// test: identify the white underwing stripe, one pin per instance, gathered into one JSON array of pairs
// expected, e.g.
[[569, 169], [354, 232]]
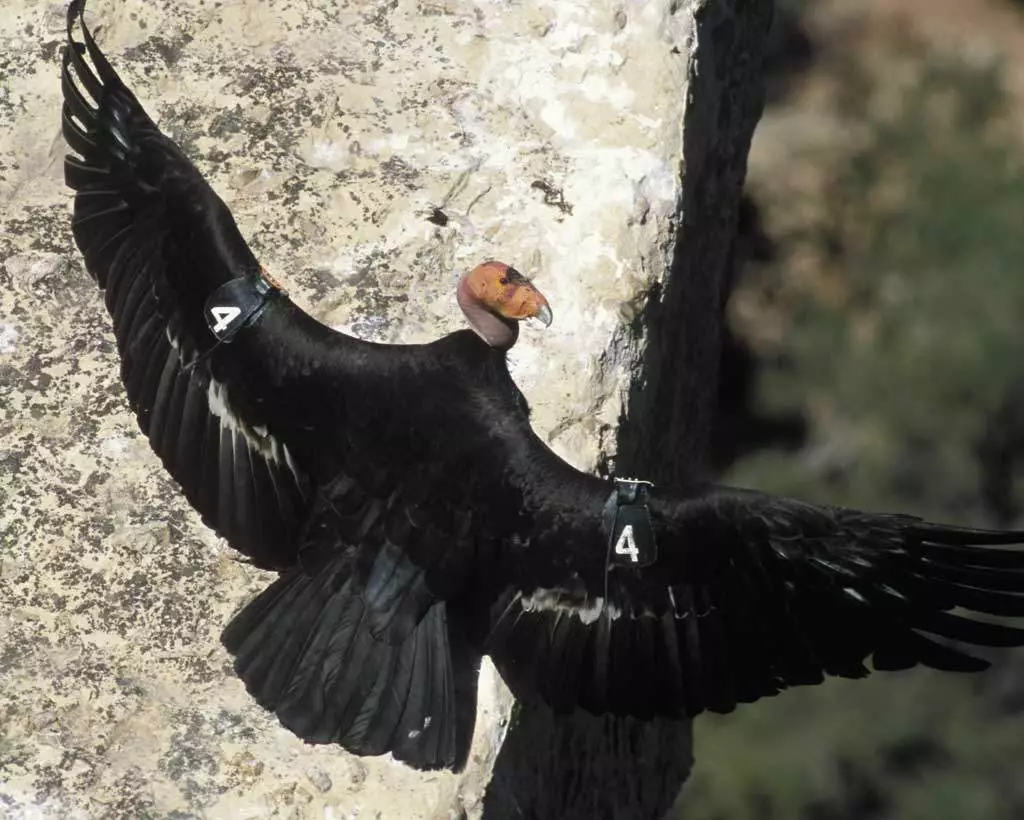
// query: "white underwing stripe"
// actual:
[[256, 438], [855, 595], [561, 600]]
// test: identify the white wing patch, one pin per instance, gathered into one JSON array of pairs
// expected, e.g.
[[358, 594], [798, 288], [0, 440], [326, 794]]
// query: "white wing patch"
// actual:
[[562, 600], [855, 595], [256, 437]]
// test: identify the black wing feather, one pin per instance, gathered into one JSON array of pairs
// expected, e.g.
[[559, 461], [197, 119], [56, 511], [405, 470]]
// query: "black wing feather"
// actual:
[[765, 593], [132, 185]]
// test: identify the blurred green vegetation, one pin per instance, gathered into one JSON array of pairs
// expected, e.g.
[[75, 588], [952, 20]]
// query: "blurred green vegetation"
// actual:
[[905, 326], [899, 285]]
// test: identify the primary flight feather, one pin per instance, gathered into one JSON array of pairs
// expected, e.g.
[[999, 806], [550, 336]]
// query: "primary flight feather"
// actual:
[[418, 522]]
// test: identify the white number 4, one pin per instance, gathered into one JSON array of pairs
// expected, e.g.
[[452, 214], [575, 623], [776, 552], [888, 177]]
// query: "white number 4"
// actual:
[[224, 316], [626, 545]]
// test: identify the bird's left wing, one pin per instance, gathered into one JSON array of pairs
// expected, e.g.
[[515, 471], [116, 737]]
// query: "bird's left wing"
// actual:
[[751, 594]]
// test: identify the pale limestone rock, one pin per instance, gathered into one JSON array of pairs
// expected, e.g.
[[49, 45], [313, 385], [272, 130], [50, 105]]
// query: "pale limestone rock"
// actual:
[[550, 135]]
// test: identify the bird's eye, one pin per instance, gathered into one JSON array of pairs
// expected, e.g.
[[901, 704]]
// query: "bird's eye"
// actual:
[[503, 280]]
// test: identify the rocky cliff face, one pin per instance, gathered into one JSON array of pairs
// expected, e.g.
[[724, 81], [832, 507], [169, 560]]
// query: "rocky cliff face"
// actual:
[[371, 152]]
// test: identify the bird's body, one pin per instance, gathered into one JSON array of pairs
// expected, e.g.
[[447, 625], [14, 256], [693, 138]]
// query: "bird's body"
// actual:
[[418, 522]]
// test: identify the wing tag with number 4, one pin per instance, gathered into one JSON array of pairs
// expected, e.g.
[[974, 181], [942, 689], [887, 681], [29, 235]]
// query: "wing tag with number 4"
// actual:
[[631, 535], [234, 305]]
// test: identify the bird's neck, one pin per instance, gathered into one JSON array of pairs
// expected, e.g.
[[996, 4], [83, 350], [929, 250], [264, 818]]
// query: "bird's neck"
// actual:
[[497, 331]]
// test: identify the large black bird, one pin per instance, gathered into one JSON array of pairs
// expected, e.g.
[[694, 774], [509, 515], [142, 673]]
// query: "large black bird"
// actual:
[[418, 522]]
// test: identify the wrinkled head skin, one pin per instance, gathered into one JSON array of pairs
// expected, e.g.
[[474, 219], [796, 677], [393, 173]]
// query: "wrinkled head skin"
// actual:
[[505, 292]]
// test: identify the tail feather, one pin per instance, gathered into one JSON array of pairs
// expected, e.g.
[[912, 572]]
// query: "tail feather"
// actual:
[[355, 667], [437, 729], [301, 600], [309, 704], [306, 650], [379, 730]]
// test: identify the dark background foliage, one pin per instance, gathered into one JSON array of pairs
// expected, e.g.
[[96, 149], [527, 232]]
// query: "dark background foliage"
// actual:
[[876, 359]]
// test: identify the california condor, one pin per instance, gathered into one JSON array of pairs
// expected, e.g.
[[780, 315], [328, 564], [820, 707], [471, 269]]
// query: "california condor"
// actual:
[[418, 522]]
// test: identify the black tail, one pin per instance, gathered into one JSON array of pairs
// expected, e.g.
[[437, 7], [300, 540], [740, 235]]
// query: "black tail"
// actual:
[[306, 651]]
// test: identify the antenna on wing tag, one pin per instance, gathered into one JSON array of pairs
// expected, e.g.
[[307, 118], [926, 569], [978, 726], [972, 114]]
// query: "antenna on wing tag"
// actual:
[[628, 521]]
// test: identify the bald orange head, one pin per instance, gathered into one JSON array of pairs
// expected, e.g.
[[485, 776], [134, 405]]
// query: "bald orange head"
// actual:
[[505, 292]]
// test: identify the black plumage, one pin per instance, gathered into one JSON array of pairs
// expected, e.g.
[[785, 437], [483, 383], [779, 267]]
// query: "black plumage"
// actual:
[[418, 522]]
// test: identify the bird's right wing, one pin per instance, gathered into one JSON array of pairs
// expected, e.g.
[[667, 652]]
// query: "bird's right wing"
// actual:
[[179, 282], [243, 397], [252, 405]]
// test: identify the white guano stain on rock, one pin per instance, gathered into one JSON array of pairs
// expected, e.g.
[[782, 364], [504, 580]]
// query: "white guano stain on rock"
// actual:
[[8, 338], [548, 133], [114, 448]]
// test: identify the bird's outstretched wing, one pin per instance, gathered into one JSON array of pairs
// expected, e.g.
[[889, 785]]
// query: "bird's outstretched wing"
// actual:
[[294, 441], [159, 242], [254, 407], [752, 594]]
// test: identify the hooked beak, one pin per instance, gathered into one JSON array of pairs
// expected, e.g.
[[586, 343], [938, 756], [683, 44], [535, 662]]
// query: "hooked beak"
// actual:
[[544, 315], [532, 304]]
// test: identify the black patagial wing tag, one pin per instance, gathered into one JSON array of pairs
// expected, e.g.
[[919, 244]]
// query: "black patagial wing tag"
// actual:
[[235, 304], [631, 537]]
